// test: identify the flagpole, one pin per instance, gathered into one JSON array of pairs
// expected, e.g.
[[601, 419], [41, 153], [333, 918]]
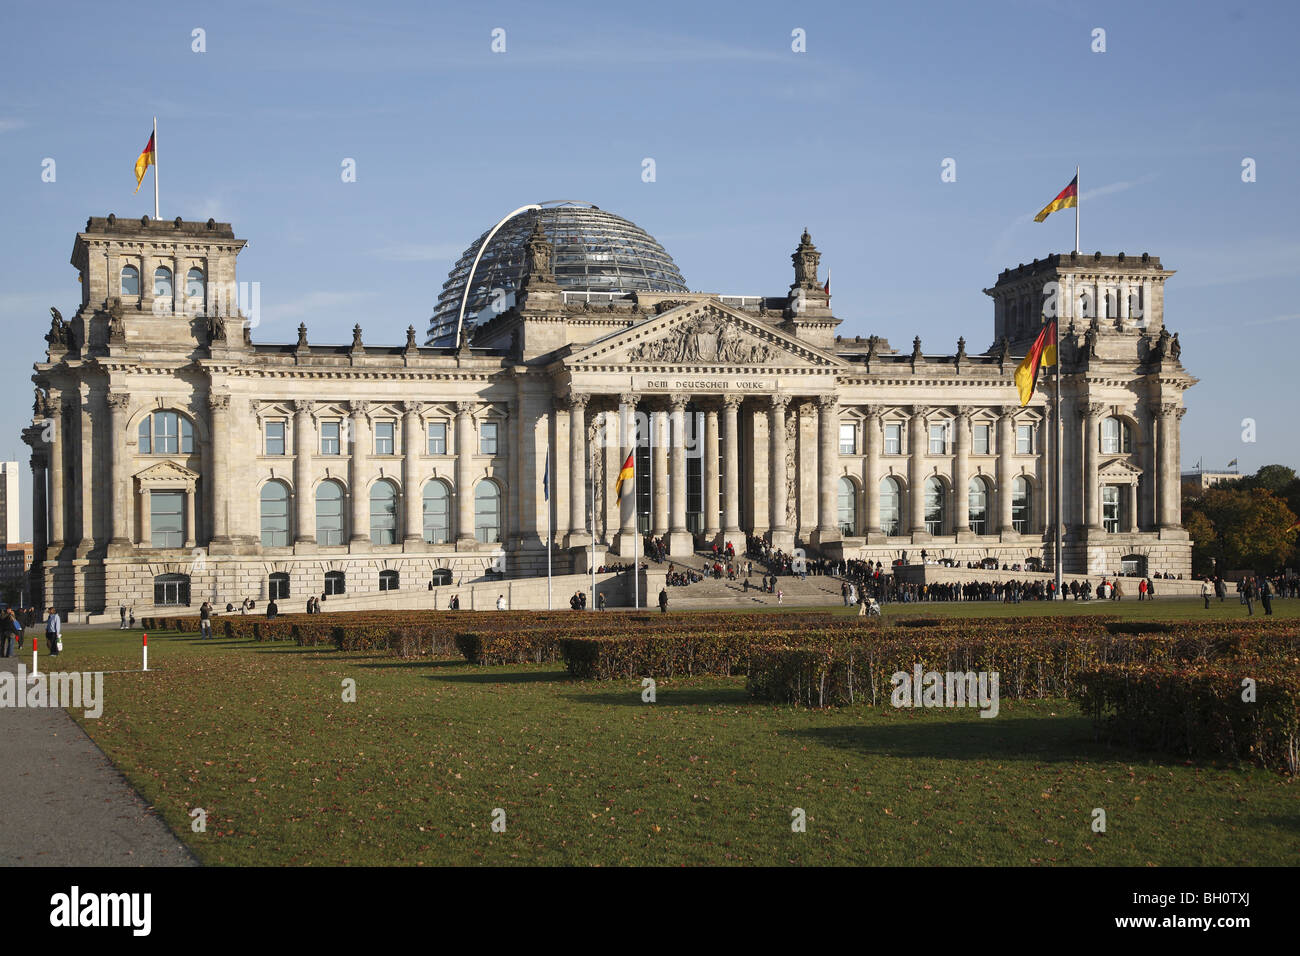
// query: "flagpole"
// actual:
[[155, 167], [1078, 198], [591, 508], [550, 527], [636, 520], [1056, 342]]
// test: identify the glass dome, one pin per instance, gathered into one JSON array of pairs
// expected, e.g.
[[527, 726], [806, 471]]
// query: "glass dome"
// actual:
[[595, 251]]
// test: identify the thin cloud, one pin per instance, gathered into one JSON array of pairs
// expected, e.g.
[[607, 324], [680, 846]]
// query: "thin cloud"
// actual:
[[415, 252], [9, 125]]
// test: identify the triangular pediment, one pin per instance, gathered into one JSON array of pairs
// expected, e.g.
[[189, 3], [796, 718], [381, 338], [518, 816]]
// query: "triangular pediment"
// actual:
[[165, 472], [701, 334], [1119, 468]]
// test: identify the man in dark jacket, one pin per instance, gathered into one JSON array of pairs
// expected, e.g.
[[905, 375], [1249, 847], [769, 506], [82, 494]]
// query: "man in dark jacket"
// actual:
[[663, 600]]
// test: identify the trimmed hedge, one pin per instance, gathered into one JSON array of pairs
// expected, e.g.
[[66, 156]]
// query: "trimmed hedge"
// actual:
[[1198, 710]]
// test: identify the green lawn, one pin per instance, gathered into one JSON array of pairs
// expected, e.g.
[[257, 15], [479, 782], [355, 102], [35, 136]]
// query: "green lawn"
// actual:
[[288, 773]]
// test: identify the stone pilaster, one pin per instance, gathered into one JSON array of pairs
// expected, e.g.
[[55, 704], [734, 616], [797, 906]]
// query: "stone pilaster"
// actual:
[[119, 482], [465, 475], [220, 470], [680, 541], [304, 526], [659, 443], [871, 448], [1091, 413], [961, 475], [358, 450], [828, 460], [709, 477], [412, 493], [918, 448], [1006, 468]]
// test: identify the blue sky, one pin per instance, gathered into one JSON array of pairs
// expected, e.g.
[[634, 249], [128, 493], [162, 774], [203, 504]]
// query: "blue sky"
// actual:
[[752, 142]]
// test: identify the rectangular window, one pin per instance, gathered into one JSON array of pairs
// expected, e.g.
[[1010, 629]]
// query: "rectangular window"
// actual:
[[848, 440], [329, 438], [1110, 508], [938, 439], [275, 438], [167, 519], [980, 439], [1024, 439], [893, 439], [437, 438], [384, 437], [487, 438]]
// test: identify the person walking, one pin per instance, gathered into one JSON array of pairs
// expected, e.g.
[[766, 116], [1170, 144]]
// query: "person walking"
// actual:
[[600, 601], [121, 613], [7, 627], [1142, 589], [205, 621], [1151, 590], [130, 615], [272, 609], [1205, 593], [501, 602], [663, 600], [1117, 591], [1266, 596], [53, 633]]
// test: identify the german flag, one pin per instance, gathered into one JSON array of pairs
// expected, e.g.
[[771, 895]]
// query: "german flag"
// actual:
[[624, 475], [1041, 354], [1065, 199], [147, 159]]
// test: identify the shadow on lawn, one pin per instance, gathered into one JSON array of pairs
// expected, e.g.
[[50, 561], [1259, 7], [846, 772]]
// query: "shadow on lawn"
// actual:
[[495, 675], [1050, 741], [669, 696]]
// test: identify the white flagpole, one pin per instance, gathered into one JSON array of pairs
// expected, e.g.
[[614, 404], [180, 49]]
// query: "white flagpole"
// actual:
[[155, 167], [636, 521], [550, 529], [1078, 200]]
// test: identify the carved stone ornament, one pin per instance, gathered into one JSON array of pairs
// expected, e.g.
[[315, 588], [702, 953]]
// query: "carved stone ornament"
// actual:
[[356, 336], [537, 257], [410, 338], [302, 335], [805, 259], [705, 339], [58, 336], [116, 324], [216, 328]]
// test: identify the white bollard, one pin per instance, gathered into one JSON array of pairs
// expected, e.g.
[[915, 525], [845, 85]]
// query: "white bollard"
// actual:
[[144, 647], [35, 670]]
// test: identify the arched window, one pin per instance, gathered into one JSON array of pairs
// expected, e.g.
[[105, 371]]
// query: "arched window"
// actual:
[[165, 433], [278, 586], [275, 515], [934, 505], [336, 582], [437, 512], [1022, 509], [388, 580], [162, 282], [890, 505], [194, 284], [848, 507], [383, 513], [441, 576], [171, 590], [130, 280], [487, 512], [978, 505], [329, 513], [1115, 437]]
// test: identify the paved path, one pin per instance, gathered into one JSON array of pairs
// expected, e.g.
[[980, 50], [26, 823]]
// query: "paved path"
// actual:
[[62, 803]]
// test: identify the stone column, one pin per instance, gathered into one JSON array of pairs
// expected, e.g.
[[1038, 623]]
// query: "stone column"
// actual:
[[709, 476], [871, 468], [680, 541], [961, 475], [731, 471], [1091, 483], [918, 447], [1006, 467], [627, 442], [659, 442], [780, 537], [1168, 476], [119, 481], [1132, 495], [219, 421], [57, 465], [190, 493], [304, 529], [828, 462], [578, 471], [39, 513], [359, 525], [146, 520], [91, 410], [465, 476], [412, 493]]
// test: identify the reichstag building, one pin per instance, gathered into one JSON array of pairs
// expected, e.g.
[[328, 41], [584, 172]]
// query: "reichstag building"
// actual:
[[176, 459]]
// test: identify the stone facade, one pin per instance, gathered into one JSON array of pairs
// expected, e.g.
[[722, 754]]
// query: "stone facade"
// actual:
[[175, 459]]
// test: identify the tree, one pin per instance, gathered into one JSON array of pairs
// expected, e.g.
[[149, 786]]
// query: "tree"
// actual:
[[1273, 478], [1242, 529]]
